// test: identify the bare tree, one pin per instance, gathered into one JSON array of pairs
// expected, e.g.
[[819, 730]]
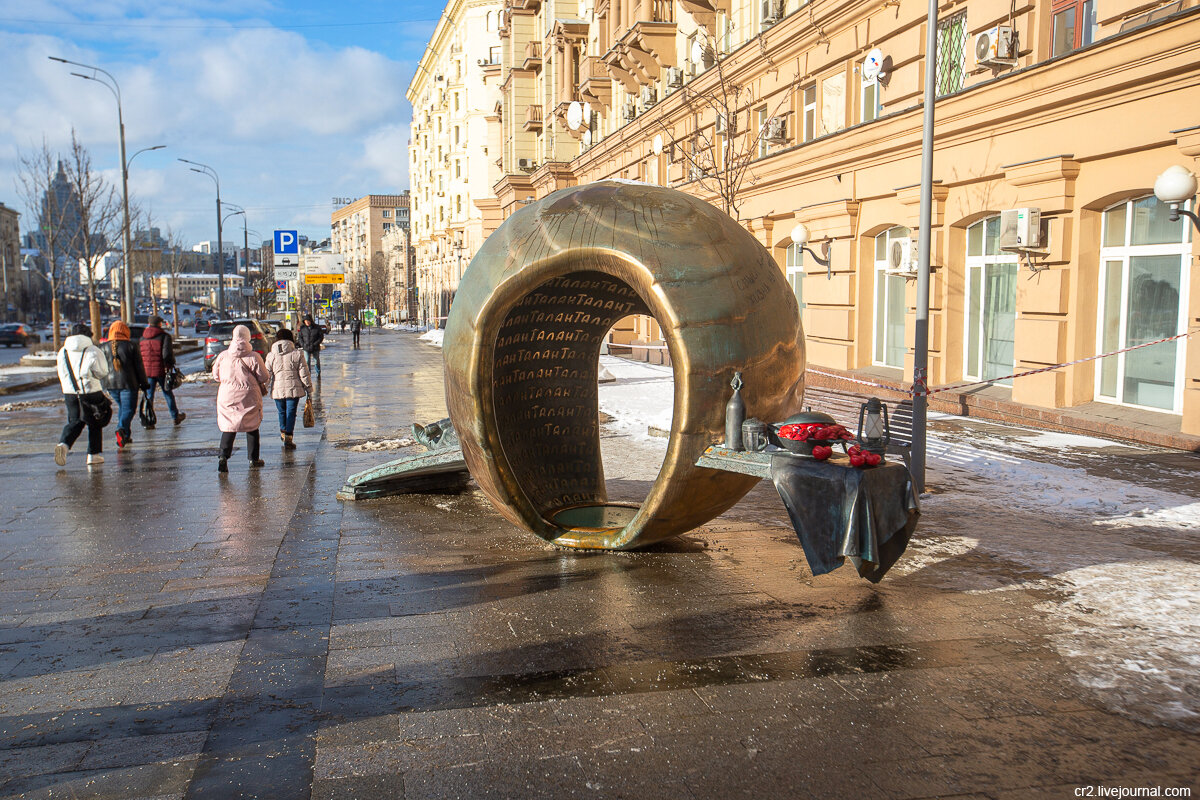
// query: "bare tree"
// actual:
[[378, 284], [36, 183], [720, 148], [173, 266], [264, 295], [99, 213]]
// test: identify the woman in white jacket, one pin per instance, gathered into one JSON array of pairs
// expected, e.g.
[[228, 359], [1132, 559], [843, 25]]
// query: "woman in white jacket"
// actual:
[[90, 367]]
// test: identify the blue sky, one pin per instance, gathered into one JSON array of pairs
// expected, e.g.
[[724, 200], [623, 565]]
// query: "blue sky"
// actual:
[[291, 103]]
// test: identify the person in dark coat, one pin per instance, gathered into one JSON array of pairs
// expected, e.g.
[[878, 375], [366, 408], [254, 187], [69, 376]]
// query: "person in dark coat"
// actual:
[[356, 330], [128, 377], [309, 337], [158, 356]]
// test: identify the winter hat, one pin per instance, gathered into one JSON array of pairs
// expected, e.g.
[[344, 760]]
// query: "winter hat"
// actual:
[[118, 331], [156, 321]]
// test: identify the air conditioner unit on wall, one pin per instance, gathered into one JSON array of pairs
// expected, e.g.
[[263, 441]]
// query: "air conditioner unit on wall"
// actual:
[[629, 111], [674, 77], [526, 164], [1021, 229], [900, 258], [775, 130], [772, 11], [996, 47], [649, 96]]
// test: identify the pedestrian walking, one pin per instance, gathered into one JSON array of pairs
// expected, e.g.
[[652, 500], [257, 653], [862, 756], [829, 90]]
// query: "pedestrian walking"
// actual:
[[243, 378], [290, 381], [309, 337], [158, 357], [356, 330], [81, 369], [127, 378]]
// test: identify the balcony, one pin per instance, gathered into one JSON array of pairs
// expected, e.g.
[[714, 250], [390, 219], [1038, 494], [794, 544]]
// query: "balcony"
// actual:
[[705, 11], [643, 51], [595, 85], [533, 55], [533, 117]]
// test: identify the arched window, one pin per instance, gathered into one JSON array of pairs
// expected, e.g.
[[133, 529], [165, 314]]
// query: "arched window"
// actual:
[[888, 340], [1144, 261], [991, 318], [491, 21]]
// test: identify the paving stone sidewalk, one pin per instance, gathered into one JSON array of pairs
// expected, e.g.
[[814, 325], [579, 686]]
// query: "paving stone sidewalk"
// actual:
[[166, 632]]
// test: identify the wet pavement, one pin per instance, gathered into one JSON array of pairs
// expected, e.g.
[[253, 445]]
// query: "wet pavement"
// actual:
[[167, 632]]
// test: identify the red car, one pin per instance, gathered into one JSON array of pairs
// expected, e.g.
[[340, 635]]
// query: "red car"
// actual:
[[17, 333]]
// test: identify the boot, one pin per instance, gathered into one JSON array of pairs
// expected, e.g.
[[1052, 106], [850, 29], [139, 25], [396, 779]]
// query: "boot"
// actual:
[[288, 444], [222, 464]]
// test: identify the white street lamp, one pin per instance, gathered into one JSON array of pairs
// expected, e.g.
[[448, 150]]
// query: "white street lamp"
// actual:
[[799, 236], [1175, 186]]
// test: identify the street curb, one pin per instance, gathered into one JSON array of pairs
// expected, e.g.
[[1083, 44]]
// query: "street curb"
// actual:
[[28, 387]]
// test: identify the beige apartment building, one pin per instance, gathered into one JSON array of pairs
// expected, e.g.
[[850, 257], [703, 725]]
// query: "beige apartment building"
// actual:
[[1053, 119], [359, 227], [197, 287], [454, 149], [10, 265]]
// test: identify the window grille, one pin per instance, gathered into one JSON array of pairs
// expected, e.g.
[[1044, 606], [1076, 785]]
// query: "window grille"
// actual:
[[951, 53]]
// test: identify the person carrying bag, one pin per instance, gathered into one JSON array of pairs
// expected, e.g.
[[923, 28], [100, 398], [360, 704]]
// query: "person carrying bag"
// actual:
[[81, 368]]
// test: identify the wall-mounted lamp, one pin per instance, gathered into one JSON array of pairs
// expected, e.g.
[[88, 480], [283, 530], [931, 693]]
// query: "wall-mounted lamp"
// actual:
[[800, 238], [1175, 187]]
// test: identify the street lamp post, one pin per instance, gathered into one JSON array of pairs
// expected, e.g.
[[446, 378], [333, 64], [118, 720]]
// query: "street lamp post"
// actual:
[[115, 88], [129, 255], [205, 169], [242, 212]]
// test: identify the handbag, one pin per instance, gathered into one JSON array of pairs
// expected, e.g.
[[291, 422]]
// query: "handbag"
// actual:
[[146, 413], [95, 407], [174, 377], [310, 419]]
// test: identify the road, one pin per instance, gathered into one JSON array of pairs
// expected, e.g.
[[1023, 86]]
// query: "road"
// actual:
[[170, 632]]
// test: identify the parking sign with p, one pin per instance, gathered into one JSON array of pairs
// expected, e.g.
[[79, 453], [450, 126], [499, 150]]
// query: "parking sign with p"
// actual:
[[287, 243]]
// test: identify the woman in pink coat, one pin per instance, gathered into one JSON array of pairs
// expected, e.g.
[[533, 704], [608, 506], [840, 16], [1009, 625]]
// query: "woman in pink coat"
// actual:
[[243, 378]]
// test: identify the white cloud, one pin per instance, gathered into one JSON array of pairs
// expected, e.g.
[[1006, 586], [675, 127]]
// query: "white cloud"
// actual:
[[288, 122]]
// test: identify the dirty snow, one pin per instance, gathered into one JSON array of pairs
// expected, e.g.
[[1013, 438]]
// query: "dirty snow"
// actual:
[[382, 444]]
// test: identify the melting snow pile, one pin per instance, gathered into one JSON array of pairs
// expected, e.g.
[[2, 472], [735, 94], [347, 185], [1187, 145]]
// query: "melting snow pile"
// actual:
[[382, 444]]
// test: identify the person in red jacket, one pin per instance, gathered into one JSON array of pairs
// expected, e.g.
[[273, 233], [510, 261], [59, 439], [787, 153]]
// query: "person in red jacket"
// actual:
[[157, 358]]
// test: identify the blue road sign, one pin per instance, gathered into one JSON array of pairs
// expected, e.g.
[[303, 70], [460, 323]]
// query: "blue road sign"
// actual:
[[337, 294], [287, 243], [283, 285]]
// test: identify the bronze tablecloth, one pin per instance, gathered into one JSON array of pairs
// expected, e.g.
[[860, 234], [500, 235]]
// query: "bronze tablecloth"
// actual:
[[840, 512]]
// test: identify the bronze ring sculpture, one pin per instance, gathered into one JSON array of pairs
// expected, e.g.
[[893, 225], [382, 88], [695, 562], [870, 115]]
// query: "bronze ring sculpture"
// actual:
[[522, 350]]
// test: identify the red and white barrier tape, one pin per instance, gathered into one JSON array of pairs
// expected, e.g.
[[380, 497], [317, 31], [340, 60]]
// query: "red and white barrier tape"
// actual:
[[926, 391]]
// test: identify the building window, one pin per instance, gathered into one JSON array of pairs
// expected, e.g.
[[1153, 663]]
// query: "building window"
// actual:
[[868, 98], [795, 272], [458, 167], [1074, 25], [991, 304], [387, 214], [833, 103], [1144, 260], [809, 99], [888, 346], [951, 53], [764, 146]]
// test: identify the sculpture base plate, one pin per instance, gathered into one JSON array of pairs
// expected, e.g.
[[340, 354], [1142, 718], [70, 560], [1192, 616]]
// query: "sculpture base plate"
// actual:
[[594, 518]]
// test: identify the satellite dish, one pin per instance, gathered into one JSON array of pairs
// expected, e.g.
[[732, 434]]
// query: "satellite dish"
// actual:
[[587, 137], [658, 144], [872, 64], [575, 115], [587, 113], [697, 52]]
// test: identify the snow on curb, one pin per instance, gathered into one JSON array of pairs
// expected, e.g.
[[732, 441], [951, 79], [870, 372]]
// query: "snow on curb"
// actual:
[[382, 444], [433, 337]]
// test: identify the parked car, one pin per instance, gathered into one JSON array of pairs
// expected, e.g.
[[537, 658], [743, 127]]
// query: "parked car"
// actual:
[[220, 333], [17, 333], [202, 324]]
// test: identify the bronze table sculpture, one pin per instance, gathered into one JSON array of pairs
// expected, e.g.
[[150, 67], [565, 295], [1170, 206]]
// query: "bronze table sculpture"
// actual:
[[523, 341]]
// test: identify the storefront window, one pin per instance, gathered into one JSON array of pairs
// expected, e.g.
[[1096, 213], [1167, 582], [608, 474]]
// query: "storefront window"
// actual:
[[991, 304], [890, 308], [1143, 290]]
